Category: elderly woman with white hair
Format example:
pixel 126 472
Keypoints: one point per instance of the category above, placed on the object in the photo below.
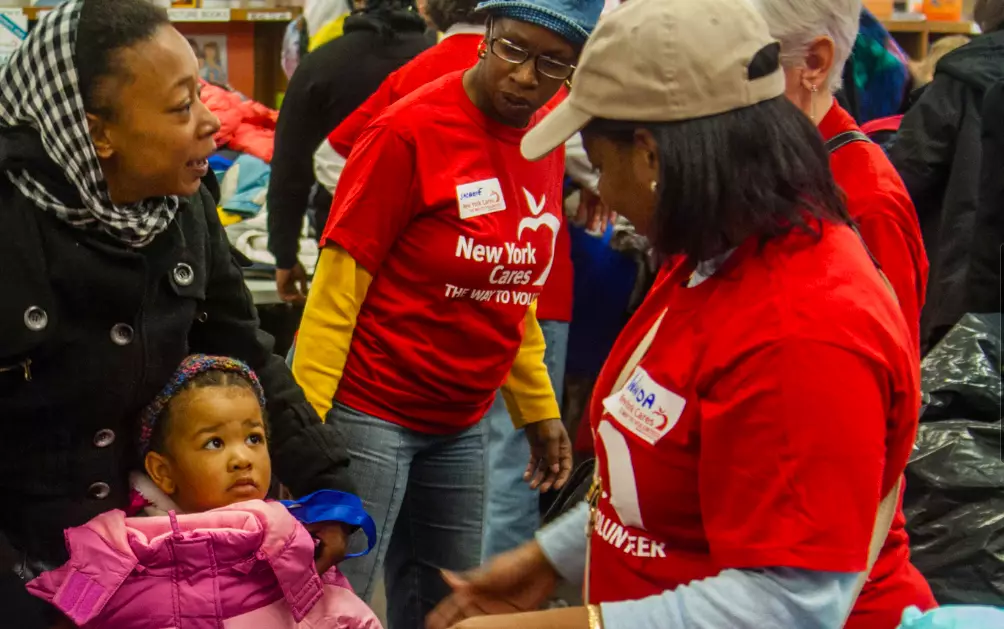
pixel 817 37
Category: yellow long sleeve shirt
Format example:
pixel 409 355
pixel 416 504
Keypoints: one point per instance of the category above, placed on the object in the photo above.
pixel 325 338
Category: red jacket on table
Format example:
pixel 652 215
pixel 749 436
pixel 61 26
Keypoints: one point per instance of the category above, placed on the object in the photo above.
pixel 245 125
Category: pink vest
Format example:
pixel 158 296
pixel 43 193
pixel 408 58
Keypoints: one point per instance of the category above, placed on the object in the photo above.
pixel 246 566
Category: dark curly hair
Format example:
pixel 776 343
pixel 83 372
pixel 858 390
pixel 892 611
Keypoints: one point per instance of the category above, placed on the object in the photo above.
pixel 446 13
pixel 106 27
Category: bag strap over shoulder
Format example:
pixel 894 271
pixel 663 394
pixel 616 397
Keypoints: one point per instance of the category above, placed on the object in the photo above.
pixel 887 507
pixel 841 140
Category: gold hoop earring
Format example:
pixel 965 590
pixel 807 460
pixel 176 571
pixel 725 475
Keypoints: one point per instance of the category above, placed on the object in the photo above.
pixel 812 102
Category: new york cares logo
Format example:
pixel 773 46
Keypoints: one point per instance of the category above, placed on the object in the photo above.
pixel 507 258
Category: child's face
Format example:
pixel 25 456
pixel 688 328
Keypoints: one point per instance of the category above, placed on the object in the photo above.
pixel 216 450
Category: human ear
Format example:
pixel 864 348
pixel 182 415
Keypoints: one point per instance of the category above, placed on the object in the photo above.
pixel 160 471
pixel 100 136
pixel 645 151
pixel 818 63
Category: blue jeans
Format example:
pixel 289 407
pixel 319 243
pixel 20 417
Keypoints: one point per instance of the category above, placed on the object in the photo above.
pixel 426 494
pixel 512 509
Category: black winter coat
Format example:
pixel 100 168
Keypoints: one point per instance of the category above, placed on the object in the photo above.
pixel 329 84
pixel 941 151
pixel 90 332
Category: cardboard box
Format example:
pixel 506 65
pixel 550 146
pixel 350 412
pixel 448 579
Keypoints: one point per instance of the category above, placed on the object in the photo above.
pixel 882 9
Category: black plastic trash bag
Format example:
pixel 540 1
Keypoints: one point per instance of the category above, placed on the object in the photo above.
pixel 960 376
pixel 954 502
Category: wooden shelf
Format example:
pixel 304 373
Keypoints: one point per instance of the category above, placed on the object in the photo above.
pixel 211 16
pixel 927 26
pixel 254 43
pixel 915 36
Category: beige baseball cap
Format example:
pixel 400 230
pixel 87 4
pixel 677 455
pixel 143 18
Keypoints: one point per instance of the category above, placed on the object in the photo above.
pixel 664 61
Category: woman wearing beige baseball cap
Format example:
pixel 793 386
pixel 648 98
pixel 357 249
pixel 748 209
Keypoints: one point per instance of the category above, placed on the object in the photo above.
pixel 754 418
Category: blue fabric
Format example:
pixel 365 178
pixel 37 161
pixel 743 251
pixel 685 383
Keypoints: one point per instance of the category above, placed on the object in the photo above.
pixel 604 281
pixel 564 544
pixel 512 509
pixel 879 70
pixel 743 599
pixel 328 505
pixel 426 495
pixel 220 164
pixel 572 19
pixel 738 599
pixel 954 617
pixel 251 187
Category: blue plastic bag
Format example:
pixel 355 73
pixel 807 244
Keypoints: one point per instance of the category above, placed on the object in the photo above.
pixel 954 617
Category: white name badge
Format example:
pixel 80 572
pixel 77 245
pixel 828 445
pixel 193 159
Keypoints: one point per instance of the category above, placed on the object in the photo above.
pixel 646 408
pixel 480 198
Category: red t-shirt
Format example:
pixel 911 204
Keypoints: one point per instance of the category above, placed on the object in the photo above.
pixel 880 204
pixel 458 231
pixel 776 406
pixel 453 54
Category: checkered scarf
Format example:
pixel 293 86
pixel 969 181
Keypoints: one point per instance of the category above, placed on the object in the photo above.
pixel 39 89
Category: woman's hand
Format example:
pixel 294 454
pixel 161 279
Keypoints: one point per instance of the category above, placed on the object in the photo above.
pixel 550 455
pixel 593 213
pixel 567 618
pixel 517 581
pixel 334 543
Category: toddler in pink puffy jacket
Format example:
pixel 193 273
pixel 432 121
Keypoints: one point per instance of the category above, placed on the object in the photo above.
pixel 210 552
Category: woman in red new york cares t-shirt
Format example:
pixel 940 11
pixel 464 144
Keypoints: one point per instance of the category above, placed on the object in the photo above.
pixel 440 239
pixel 755 416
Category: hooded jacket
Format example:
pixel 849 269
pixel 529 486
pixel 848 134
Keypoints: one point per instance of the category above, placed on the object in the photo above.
pixel 90 330
pixel 940 153
pixel 246 566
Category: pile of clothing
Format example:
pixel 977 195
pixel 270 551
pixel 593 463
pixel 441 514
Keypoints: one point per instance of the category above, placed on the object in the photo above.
pixel 245 143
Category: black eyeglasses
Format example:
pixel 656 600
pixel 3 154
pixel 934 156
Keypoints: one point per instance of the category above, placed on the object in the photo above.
pixel 517 55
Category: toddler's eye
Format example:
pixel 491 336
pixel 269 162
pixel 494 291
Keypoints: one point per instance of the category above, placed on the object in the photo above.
pixel 213 444
pixel 256 439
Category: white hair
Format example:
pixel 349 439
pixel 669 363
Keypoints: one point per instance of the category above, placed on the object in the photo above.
pixel 796 23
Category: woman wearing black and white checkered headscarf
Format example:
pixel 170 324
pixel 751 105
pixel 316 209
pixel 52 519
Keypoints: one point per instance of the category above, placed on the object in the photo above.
pixel 120 193
pixel 114 267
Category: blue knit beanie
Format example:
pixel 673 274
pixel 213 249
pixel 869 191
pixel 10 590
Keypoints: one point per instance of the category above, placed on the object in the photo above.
pixel 572 19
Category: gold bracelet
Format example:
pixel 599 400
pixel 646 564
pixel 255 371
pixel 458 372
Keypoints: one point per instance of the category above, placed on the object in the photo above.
pixel 595 617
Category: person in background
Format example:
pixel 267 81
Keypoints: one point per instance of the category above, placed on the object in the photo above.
pixel 816 38
pixel 424 302
pixel 923 70
pixel 326 87
pixel 462 32
pixel 326 20
pixel 512 511
pixel 115 267
pixel 756 414
pixel 939 151
pixel 213 70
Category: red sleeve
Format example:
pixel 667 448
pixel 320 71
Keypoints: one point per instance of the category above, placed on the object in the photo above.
pixel 793 446
pixel 367 214
pixel 905 265
pixel 345 135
